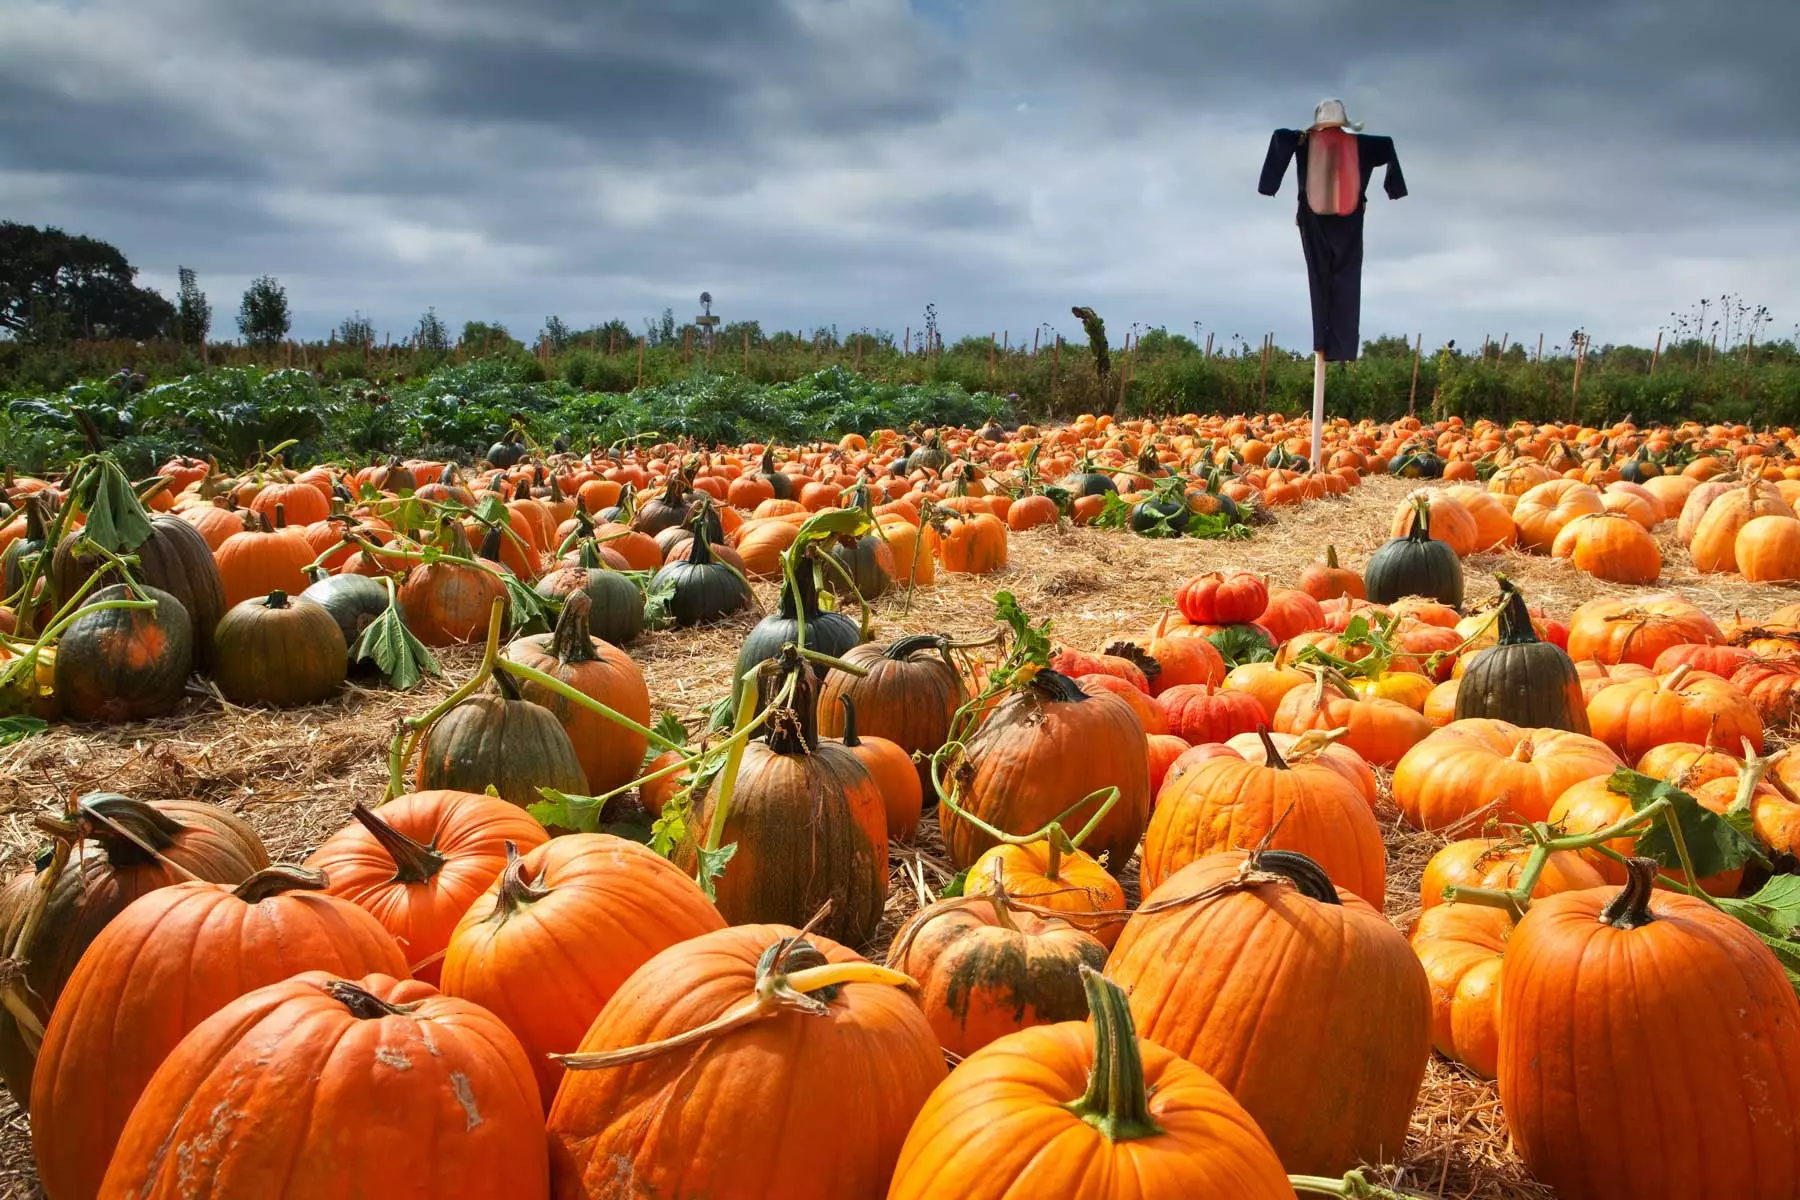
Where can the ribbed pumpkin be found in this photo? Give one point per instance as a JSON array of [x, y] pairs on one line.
[[1085, 1110], [174, 559], [616, 607], [450, 602], [1480, 767], [113, 862], [1197, 713], [279, 651], [809, 824], [1773, 687], [1496, 863], [1326, 580], [1714, 547], [125, 664], [832, 633], [567, 923], [354, 601], [500, 740], [1451, 523], [1651, 969], [1042, 873], [1767, 549], [701, 588], [1228, 804], [1379, 729], [1314, 747], [814, 1099], [1636, 629], [610, 754], [1637, 715], [985, 969], [1543, 510], [419, 861], [380, 1085], [1258, 971], [1460, 947], [893, 770], [169, 961], [262, 557], [1610, 546], [1039, 752], [1267, 681], [1592, 805], [1415, 565]]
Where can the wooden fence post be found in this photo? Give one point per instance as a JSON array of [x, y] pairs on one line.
[[1412, 395], [1500, 350], [1209, 338], [640, 381], [746, 353], [1055, 363], [1656, 353], [906, 346], [1035, 334], [1262, 382]]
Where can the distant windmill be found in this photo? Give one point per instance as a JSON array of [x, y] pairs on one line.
[[706, 321]]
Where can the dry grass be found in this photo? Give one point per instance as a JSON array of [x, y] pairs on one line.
[[294, 776]]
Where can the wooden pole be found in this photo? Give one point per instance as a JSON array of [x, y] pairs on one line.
[[1484, 347], [640, 381], [1209, 338], [1055, 363], [1714, 351], [1412, 396], [1575, 386], [907, 344], [1035, 334], [1656, 353], [1500, 350], [1262, 381], [1006, 341], [746, 353]]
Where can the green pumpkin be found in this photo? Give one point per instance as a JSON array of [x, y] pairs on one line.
[[354, 602], [502, 741], [280, 652], [701, 588], [125, 664], [862, 561], [174, 558], [781, 481], [1415, 565], [1521, 679], [616, 607]]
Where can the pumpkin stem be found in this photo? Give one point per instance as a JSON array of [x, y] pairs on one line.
[[572, 642], [508, 689], [363, 1004], [701, 555], [413, 861], [490, 544], [277, 599], [1421, 525], [1630, 909], [904, 648], [132, 832], [794, 729], [1116, 1101], [1515, 618], [1307, 877], [1054, 685], [1676, 677], [516, 891], [1331, 559], [849, 738], [1274, 755], [278, 879]]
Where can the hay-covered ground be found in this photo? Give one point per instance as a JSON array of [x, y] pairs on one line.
[[295, 775]]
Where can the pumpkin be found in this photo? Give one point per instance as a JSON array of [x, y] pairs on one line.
[[1322, 748], [1326, 580], [1714, 547], [1227, 803], [1415, 565], [125, 664], [449, 602], [1773, 688], [615, 606], [973, 544], [119, 1016], [1198, 714], [1220, 599], [1480, 767], [1045, 874], [1379, 729], [893, 771], [611, 754], [809, 824], [1126, 666], [279, 652], [813, 1020], [1268, 682], [1636, 629], [1767, 549], [1258, 971], [1610, 546], [1460, 948], [1088, 1110], [1520, 679], [701, 588], [300, 503], [1637, 715], [503, 741], [572, 919], [1290, 612], [1494, 528], [1543, 510], [1451, 523], [869, 563], [827, 632], [354, 601], [985, 969], [1653, 969], [1592, 805], [1041, 750], [115, 860], [174, 559], [1496, 863], [1688, 765], [1722, 661], [1168, 661], [381, 1081], [909, 696], [419, 861], [1029, 512], [262, 557]]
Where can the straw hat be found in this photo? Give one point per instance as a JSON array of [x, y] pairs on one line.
[[1330, 115]]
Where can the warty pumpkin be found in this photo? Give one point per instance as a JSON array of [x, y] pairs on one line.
[[1227, 804], [125, 664], [1257, 970], [1085, 1109], [499, 739], [419, 861], [1594, 977], [170, 960], [560, 930], [809, 1063], [1478, 767], [409, 1093]]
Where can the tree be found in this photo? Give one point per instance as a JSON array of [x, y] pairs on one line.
[[193, 316], [557, 334], [431, 333], [263, 314], [55, 285], [356, 331], [480, 337]]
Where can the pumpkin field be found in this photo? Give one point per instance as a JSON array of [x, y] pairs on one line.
[[1110, 808]]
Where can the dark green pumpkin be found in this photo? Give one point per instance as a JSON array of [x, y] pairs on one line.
[[19, 553], [1415, 565], [279, 652], [1089, 482], [354, 602], [865, 561], [125, 664], [501, 741], [1173, 511], [826, 632], [929, 456], [1520, 678], [908, 693], [781, 481], [616, 607], [1639, 467], [1418, 464], [703, 588], [669, 510], [174, 558]]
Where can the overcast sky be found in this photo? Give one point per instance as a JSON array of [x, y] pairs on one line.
[[818, 162]]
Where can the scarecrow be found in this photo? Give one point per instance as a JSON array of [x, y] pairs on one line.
[[1334, 160]]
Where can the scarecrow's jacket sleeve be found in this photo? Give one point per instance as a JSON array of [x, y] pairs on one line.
[[1375, 151], [1282, 145]]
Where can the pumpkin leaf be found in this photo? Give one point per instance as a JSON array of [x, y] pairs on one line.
[[116, 520], [1713, 844], [1774, 911], [580, 813], [492, 511], [18, 728], [1216, 525], [1031, 643], [669, 727], [1115, 513], [401, 658], [712, 865], [526, 611], [955, 887], [1240, 644], [657, 614]]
